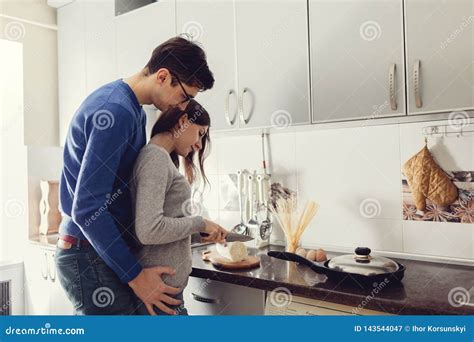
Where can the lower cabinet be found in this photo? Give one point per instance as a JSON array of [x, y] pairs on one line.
[[209, 297], [43, 292], [284, 304]]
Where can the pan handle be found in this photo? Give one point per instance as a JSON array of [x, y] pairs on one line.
[[298, 258]]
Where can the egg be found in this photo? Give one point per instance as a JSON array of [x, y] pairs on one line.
[[321, 255], [301, 252], [311, 255], [316, 255]]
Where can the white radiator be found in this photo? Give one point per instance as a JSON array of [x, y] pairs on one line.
[[5, 298], [12, 289]]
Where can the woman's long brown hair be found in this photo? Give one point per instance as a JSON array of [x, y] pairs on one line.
[[168, 121]]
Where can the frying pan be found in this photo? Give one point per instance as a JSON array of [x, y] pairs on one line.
[[339, 275]]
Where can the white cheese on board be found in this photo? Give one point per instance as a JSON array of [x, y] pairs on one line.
[[234, 251]]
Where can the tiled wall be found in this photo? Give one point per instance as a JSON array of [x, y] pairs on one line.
[[344, 169], [338, 168]]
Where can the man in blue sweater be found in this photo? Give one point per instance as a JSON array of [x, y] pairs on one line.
[[96, 266]]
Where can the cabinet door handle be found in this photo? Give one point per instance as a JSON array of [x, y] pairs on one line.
[[51, 276], [243, 119], [44, 270], [391, 85], [229, 121], [417, 83], [201, 299]]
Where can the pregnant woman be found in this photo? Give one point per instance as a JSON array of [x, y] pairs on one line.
[[161, 194]]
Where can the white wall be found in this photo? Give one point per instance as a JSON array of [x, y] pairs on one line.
[[13, 186], [33, 23], [340, 168]]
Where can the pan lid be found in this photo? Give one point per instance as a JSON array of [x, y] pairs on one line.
[[361, 262]]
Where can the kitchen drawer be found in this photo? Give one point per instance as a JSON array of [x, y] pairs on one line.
[[210, 297], [287, 305]]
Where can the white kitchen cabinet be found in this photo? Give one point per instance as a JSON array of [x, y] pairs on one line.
[[258, 51], [205, 297], [211, 23], [439, 40], [140, 31], [43, 292], [273, 62], [357, 59], [71, 63], [99, 43], [288, 305]]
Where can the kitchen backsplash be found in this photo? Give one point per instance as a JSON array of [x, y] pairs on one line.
[[355, 175]]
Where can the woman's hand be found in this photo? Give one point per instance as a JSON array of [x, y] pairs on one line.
[[216, 232]]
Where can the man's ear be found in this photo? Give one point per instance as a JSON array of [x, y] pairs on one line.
[[162, 75]]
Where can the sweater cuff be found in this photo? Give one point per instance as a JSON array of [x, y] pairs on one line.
[[198, 224]]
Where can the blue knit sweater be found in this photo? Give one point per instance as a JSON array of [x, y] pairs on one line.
[[103, 141]]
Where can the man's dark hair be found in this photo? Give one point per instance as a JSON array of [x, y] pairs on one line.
[[185, 60]]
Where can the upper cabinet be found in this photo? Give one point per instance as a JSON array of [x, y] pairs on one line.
[[71, 63], [258, 52], [86, 54], [99, 38], [211, 24], [365, 58], [357, 59], [272, 62], [440, 55], [140, 31]]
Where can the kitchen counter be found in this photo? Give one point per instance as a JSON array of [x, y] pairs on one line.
[[48, 241], [423, 291]]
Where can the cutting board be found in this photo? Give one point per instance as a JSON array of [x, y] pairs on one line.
[[218, 261]]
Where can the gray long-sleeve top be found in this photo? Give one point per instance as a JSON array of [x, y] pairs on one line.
[[160, 194]]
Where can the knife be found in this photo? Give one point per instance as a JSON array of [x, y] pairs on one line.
[[232, 237]]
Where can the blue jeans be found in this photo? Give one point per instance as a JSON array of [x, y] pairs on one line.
[[91, 286]]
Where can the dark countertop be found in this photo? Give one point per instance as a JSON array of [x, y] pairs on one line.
[[424, 289]]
